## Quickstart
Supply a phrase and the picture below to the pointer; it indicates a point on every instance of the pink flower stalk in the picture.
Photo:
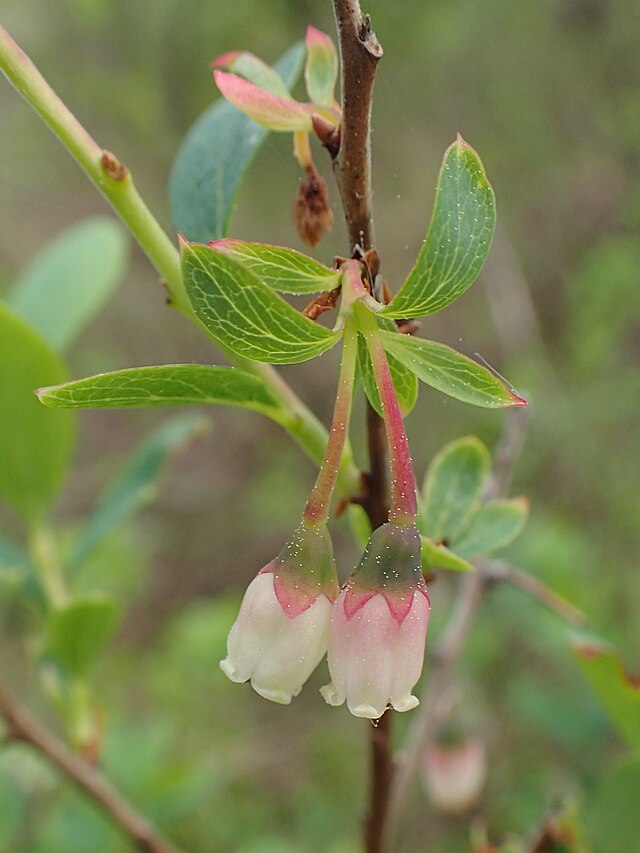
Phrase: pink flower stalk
(379, 626)
(280, 634)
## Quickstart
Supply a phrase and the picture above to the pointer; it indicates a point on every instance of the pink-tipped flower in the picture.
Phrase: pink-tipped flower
(280, 634)
(378, 627)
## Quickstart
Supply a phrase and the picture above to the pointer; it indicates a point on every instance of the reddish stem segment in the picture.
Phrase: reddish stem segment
(403, 509)
(317, 509)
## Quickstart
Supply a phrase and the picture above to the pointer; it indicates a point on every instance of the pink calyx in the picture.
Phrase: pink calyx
(399, 601)
(295, 595)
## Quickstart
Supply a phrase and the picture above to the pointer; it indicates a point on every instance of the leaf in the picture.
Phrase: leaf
(280, 268)
(64, 287)
(618, 692)
(271, 111)
(14, 564)
(438, 556)
(359, 524)
(453, 488)
(254, 70)
(213, 160)
(18, 576)
(494, 526)
(458, 239)
(451, 372)
(166, 385)
(135, 485)
(245, 315)
(321, 68)
(612, 817)
(36, 445)
(78, 632)
(404, 381)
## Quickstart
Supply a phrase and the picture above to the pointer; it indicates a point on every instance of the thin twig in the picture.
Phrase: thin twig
(22, 726)
(499, 571)
(508, 452)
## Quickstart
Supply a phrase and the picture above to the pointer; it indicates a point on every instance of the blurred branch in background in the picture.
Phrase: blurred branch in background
(514, 315)
(21, 726)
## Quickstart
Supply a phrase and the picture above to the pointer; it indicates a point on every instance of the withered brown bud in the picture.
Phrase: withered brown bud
(312, 212)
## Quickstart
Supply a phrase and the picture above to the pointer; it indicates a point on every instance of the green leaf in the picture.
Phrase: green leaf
(245, 315)
(280, 268)
(36, 444)
(321, 67)
(458, 239)
(494, 526)
(18, 576)
(14, 564)
(404, 380)
(451, 372)
(612, 817)
(70, 279)
(438, 556)
(213, 160)
(359, 524)
(166, 385)
(453, 488)
(78, 632)
(135, 485)
(618, 692)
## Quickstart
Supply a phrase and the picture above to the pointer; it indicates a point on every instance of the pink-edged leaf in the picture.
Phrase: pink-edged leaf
(254, 70)
(321, 69)
(272, 111)
(617, 689)
(451, 372)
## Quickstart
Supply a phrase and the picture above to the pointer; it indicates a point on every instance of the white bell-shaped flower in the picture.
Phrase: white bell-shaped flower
(378, 627)
(281, 632)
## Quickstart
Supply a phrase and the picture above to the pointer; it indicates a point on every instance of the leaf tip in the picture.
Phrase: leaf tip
(315, 39)
(43, 394)
(183, 243)
(225, 59)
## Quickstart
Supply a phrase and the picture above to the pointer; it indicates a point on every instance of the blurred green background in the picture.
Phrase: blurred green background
(548, 92)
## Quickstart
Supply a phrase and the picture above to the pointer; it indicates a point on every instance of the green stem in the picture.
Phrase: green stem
(403, 508)
(114, 181)
(317, 509)
(44, 554)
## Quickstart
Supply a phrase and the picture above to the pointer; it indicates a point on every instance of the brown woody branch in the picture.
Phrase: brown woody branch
(351, 154)
(22, 726)
(360, 52)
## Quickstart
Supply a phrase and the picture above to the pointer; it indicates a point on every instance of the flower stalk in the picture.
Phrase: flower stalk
(317, 509)
(403, 508)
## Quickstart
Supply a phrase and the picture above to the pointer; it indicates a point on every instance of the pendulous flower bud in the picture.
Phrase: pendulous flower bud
(280, 634)
(379, 625)
(454, 774)
(312, 212)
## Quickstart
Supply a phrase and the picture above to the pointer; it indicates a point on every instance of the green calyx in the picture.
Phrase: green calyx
(391, 560)
(306, 565)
